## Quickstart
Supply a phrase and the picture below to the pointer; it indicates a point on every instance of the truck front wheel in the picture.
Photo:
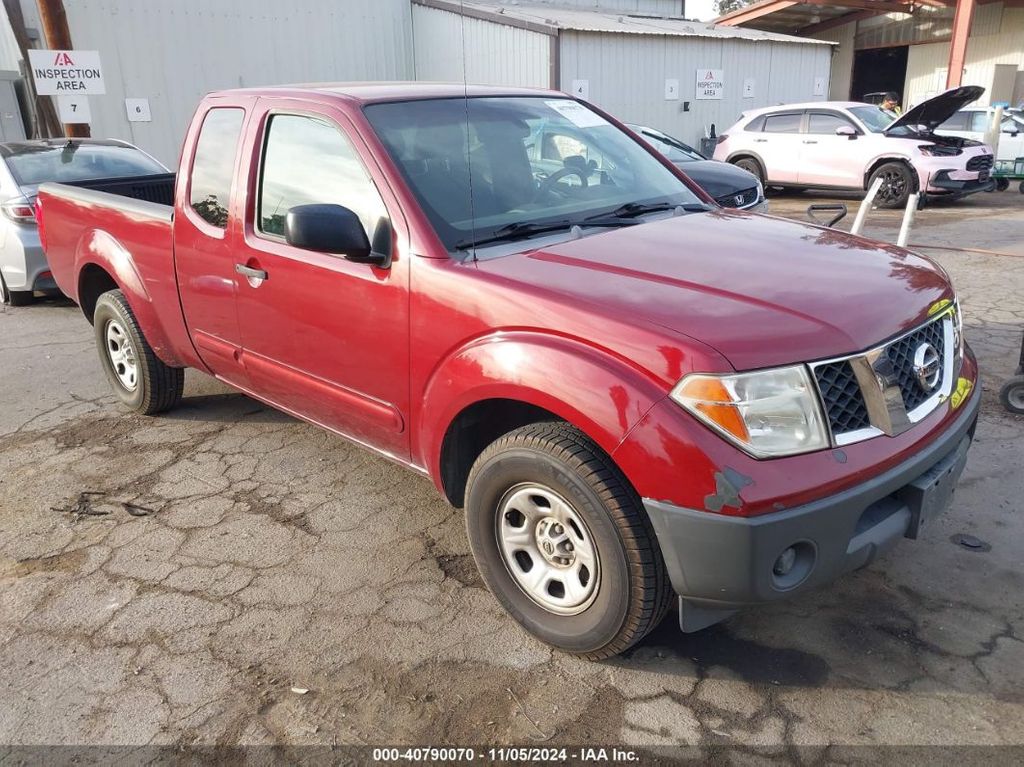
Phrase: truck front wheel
(139, 378)
(563, 543)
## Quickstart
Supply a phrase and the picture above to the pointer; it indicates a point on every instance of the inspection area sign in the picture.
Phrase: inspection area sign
(710, 84)
(67, 73)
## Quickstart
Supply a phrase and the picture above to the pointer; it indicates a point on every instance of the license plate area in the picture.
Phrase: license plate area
(930, 495)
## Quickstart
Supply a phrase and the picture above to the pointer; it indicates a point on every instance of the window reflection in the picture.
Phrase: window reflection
(309, 161)
(214, 164)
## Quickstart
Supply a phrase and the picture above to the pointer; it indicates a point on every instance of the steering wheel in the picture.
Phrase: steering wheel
(549, 183)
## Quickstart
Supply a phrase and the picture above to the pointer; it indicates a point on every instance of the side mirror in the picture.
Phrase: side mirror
(334, 229)
(847, 130)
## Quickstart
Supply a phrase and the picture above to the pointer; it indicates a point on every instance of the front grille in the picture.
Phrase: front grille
(842, 397)
(981, 162)
(851, 409)
(738, 199)
(901, 354)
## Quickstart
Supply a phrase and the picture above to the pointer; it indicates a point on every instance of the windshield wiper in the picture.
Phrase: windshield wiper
(635, 209)
(519, 230)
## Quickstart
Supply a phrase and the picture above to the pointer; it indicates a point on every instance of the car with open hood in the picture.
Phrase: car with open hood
(848, 145)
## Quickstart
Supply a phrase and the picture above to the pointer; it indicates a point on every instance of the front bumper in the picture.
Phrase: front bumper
(719, 563)
(945, 182)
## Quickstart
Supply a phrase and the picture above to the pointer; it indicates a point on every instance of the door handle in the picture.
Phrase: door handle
(809, 141)
(250, 272)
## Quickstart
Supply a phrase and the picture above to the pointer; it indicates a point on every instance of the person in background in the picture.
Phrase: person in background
(892, 103)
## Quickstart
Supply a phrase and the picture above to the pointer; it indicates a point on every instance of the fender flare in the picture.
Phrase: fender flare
(100, 249)
(593, 389)
(890, 157)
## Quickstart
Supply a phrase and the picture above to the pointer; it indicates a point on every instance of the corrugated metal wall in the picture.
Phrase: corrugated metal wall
(990, 44)
(495, 54)
(842, 60)
(175, 52)
(627, 73)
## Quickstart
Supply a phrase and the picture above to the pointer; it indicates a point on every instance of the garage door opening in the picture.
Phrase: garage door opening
(877, 71)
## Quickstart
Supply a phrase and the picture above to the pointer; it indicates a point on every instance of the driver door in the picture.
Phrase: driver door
(323, 337)
(821, 149)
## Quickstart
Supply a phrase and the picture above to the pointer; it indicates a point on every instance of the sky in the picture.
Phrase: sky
(703, 10)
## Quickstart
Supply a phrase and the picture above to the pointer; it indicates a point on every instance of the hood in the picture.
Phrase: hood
(761, 290)
(936, 110)
(718, 178)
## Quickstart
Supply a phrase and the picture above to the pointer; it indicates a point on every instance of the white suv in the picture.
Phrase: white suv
(974, 122)
(847, 145)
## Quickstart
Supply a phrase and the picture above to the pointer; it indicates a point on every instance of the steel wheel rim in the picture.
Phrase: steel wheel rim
(121, 354)
(1015, 396)
(547, 548)
(893, 185)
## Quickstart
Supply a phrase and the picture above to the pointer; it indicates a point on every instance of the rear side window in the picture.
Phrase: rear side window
(980, 122)
(214, 164)
(784, 123)
(307, 160)
(826, 122)
(756, 125)
(957, 122)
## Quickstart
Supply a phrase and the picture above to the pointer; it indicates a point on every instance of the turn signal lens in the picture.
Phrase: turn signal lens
(768, 414)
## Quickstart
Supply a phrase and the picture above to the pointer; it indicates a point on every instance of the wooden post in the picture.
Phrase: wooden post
(58, 38)
(43, 115)
(958, 43)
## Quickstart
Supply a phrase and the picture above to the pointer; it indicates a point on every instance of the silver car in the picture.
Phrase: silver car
(24, 165)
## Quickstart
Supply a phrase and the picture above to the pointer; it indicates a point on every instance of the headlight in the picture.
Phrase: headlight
(769, 413)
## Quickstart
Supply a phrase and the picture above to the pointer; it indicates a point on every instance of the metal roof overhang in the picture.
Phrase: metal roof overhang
(806, 17)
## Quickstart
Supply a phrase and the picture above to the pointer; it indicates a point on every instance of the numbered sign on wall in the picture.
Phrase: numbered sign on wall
(671, 90)
(138, 110)
(73, 109)
(581, 89)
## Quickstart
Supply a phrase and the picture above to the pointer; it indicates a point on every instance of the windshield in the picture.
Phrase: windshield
(33, 164)
(875, 119)
(479, 166)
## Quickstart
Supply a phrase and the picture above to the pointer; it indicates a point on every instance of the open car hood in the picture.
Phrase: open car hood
(936, 110)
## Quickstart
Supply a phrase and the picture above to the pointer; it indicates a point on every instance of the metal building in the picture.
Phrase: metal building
(173, 53)
(639, 59)
(914, 48)
(642, 67)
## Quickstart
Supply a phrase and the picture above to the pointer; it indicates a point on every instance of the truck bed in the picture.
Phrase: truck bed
(107, 229)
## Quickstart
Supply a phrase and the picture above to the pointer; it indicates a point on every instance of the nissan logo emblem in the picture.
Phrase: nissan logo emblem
(927, 366)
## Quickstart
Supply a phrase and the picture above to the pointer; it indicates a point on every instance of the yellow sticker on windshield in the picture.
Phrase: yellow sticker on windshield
(938, 306)
(959, 396)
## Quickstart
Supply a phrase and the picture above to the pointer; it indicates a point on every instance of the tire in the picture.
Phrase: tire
(1021, 187)
(750, 165)
(14, 297)
(550, 480)
(1012, 395)
(1002, 184)
(139, 378)
(897, 185)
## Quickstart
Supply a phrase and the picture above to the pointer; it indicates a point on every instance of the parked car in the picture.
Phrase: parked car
(24, 165)
(847, 145)
(731, 187)
(973, 123)
(629, 390)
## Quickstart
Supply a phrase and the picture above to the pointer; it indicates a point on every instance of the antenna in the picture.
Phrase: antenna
(465, 101)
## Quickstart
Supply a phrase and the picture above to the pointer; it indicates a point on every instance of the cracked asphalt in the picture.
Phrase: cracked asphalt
(182, 579)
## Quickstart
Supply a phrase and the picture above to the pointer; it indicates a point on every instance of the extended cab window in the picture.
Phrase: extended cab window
(307, 160)
(784, 123)
(214, 164)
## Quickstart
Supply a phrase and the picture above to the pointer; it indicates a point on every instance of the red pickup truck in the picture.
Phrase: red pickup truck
(630, 391)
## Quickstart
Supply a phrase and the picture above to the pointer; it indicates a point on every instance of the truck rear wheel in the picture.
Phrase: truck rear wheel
(139, 378)
(563, 542)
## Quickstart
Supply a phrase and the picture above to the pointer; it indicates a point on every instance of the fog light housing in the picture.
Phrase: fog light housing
(784, 564)
(793, 565)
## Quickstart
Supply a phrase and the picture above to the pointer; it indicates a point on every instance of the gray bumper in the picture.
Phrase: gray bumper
(718, 563)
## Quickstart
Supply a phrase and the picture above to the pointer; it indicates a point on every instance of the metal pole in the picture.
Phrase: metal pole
(958, 42)
(58, 37)
(865, 205)
(908, 220)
